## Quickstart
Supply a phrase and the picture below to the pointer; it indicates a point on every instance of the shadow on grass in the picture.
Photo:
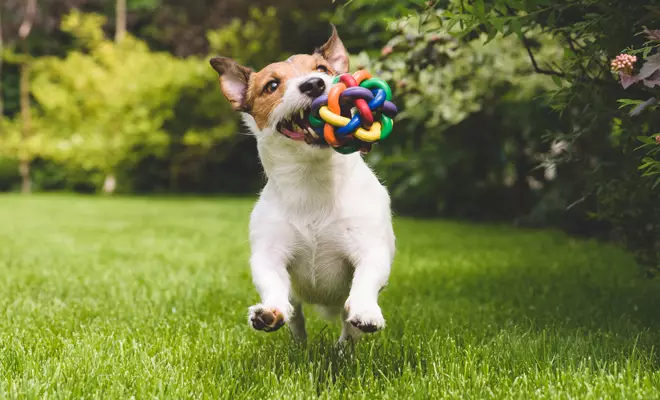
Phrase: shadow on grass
(511, 304)
(518, 319)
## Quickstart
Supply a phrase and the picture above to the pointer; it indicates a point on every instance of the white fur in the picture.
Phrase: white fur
(321, 231)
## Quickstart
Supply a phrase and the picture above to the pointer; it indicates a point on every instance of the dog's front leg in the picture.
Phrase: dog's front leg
(372, 269)
(271, 278)
(272, 244)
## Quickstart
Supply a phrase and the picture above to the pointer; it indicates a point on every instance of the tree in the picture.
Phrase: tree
(605, 158)
(106, 104)
(467, 114)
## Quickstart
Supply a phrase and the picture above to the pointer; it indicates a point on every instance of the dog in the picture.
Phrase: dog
(321, 231)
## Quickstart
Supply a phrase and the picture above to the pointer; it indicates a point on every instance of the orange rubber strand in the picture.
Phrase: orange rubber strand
(333, 98)
(361, 75)
(329, 135)
(333, 105)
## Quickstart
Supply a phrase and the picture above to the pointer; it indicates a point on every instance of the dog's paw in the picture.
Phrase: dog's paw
(265, 319)
(367, 317)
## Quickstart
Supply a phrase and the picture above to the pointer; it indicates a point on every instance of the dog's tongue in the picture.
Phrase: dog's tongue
(293, 135)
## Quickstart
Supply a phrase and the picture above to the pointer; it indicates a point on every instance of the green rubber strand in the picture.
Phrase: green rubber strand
(375, 83)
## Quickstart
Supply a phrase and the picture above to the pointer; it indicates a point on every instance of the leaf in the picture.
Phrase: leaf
(653, 35)
(492, 33)
(628, 102)
(568, 53)
(641, 106)
(480, 7)
(646, 139)
(557, 80)
(498, 23)
(514, 26)
(646, 52)
(651, 65)
(653, 80)
(627, 80)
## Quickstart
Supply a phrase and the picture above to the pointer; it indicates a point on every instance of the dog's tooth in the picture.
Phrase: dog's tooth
(312, 132)
(302, 113)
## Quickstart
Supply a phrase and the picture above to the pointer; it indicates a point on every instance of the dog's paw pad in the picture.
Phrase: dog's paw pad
(366, 327)
(263, 319)
(367, 320)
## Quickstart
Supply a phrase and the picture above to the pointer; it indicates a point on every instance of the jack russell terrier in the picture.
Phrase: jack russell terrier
(321, 232)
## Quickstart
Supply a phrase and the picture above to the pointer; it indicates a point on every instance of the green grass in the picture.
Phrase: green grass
(113, 298)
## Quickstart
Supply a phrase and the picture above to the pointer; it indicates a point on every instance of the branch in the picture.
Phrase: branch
(570, 42)
(533, 60)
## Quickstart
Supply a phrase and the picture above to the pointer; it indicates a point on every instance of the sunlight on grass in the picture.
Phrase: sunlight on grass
(112, 298)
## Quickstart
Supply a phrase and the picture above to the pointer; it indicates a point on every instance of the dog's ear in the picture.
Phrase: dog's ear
(234, 80)
(334, 51)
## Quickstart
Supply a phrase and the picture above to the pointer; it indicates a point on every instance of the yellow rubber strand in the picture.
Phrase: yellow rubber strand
(371, 135)
(332, 118)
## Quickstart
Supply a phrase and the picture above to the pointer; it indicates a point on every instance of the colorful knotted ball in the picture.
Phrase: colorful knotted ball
(356, 113)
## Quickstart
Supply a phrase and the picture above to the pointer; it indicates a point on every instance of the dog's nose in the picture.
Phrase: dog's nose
(313, 87)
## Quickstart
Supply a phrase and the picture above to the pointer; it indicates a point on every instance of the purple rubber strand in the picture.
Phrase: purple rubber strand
(388, 108)
(356, 92)
(318, 103)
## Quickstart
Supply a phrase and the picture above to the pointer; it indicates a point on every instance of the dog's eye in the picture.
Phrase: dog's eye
(322, 68)
(271, 86)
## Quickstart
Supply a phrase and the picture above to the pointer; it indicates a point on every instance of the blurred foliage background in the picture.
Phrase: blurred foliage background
(510, 110)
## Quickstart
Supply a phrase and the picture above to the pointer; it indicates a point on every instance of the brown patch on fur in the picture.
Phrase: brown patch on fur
(260, 102)
(245, 89)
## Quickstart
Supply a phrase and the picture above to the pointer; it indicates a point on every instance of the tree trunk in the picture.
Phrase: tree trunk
(26, 179)
(120, 23)
(110, 182)
(26, 118)
(2, 49)
(26, 115)
(28, 19)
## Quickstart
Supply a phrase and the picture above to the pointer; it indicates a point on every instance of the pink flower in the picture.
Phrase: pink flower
(657, 139)
(387, 50)
(623, 63)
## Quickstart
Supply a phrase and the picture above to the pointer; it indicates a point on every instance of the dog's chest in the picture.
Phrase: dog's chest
(319, 270)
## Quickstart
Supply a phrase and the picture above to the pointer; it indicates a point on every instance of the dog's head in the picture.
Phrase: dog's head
(278, 98)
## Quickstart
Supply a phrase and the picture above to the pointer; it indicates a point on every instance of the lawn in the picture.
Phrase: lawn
(119, 297)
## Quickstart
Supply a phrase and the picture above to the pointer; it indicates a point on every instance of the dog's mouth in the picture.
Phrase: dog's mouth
(297, 127)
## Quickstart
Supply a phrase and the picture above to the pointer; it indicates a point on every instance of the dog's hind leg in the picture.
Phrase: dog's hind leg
(349, 333)
(372, 269)
(297, 323)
